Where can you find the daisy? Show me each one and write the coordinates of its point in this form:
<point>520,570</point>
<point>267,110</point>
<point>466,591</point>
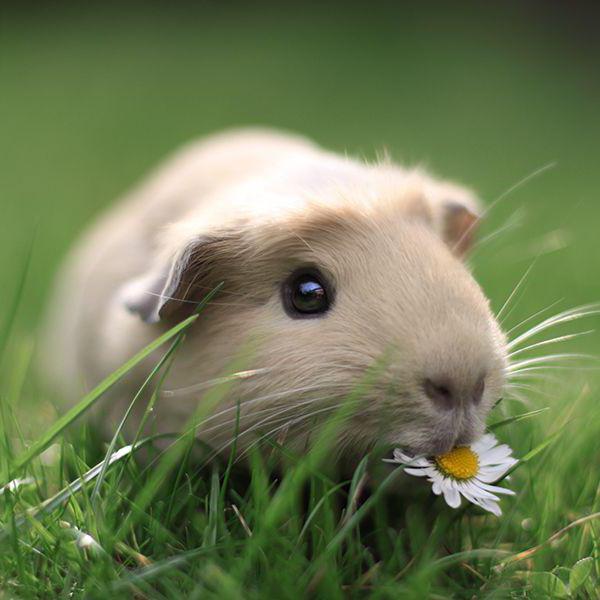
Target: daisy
<point>464,471</point>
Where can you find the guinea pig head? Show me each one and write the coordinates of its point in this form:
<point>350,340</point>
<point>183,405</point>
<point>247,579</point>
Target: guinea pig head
<point>362,299</point>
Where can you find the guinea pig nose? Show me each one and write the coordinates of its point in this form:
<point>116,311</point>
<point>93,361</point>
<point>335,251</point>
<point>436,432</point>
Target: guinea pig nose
<point>440,392</point>
<point>444,395</point>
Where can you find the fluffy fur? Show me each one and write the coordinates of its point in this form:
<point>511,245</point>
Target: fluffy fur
<point>247,208</point>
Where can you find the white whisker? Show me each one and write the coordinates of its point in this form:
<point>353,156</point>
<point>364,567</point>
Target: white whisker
<point>217,381</point>
<point>515,290</point>
<point>514,220</point>
<point>501,197</point>
<point>563,317</point>
<point>527,388</point>
<point>277,410</point>
<point>525,372</point>
<point>271,419</point>
<point>287,423</point>
<point>533,316</point>
<point>246,403</point>
<point>555,340</point>
<point>520,386</point>
<point>533,376</point>
<point>514,395</point>
<point>517,366</point>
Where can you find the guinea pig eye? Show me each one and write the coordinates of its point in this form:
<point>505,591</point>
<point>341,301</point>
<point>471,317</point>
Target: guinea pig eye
<point>305,294</point>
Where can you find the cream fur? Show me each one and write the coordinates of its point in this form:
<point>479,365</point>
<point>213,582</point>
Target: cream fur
<point>248,207</point>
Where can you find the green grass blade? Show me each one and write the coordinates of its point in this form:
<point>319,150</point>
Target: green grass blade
<point>517,418</point>
<point>144,386</point>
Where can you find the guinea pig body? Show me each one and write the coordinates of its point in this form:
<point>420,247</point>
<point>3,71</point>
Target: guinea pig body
<point>329,267</point>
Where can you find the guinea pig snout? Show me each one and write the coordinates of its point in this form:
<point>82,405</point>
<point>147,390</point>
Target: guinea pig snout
<point>446,393</point>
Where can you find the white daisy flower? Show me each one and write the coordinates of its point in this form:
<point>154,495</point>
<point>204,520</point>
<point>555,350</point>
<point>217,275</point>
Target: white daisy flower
<point>464,471</point>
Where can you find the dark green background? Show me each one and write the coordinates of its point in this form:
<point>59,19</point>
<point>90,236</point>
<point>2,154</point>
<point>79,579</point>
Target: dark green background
<point>92,96</point>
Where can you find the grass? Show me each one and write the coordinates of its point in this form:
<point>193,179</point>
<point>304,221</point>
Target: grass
<point>81,519</point>
<point>487,95</point>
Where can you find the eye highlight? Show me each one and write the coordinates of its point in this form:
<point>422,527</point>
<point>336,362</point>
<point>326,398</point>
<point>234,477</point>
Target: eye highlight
<point>306,293</point>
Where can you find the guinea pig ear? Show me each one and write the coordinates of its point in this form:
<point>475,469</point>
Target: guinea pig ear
<point>456,222</point>
<point>168,288</point>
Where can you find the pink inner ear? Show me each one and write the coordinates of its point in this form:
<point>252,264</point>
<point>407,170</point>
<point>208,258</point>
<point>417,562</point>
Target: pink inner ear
<point>461,226</point>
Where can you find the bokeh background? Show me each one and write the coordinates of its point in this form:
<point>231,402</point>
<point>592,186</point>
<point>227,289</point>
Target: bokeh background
<point>92,96</point>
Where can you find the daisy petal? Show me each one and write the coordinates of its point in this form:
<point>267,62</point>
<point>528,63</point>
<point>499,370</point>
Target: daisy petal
<point>484,443</point>
<point>419,462</point>
<point>432,473</point>
<point>451,496</point>
<point>491,506</point>
<point>495,455</point>
<point>436,487</point>
<point>476,490</point>
<point>483,502</point>
<point>493,462</point>
<point>466,492</point>
<point>478,501</point>
<point>491,474</point>
<point>418,472</point>
<point>405,459</point>
<point>496,490</point>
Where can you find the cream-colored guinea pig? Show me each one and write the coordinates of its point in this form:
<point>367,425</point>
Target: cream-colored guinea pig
<point>330,265</point>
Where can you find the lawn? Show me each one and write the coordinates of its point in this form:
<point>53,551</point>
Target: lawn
<point>504,98</point>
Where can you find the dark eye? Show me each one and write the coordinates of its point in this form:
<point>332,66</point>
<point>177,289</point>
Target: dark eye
<point>305,294</point>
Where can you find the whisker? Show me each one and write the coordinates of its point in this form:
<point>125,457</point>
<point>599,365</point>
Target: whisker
<point>517,366</point>
<point>515,290</point>
<point>287,424</point>
<point>514,220</point>
<point>276,409</point>
<point>217,381</point>
<point>205,287</point>
<point>521,386</point>
<point>555,340</point>
<point>250,430</point>
<point>513,395</point>
<point>527,388</point>
<point>239,294</point>
<point>501,197</point>
<point>523,181</point>
<point>185,301</point>
<point>524,372</point>
<point>215,453</point>
<point>533,316</point>
<point>253,401</point>
<point>563,317</point>
<point>244,405</point>
<point>533,376</point>
<point>273,418</point>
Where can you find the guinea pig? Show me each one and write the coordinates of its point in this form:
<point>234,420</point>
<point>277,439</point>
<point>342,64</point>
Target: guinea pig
<point>328,266</point>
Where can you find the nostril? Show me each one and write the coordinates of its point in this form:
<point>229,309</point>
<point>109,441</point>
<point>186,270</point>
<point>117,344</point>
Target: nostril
<point>478,391</point>
<point>440,393</point>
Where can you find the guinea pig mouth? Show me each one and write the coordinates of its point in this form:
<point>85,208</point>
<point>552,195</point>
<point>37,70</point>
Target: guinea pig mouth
<point>435,443</point>
<point>431,448</point>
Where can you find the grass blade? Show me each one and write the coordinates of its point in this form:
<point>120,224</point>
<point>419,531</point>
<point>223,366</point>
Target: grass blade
<point>517,418</point>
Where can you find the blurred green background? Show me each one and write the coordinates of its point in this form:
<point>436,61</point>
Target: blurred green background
<point>93,96</point>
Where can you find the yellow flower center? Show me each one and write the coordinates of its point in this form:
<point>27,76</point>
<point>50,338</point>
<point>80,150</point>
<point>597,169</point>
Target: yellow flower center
<point>460,463</point>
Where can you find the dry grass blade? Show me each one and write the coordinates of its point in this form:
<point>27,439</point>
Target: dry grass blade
<point>553,538</point>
